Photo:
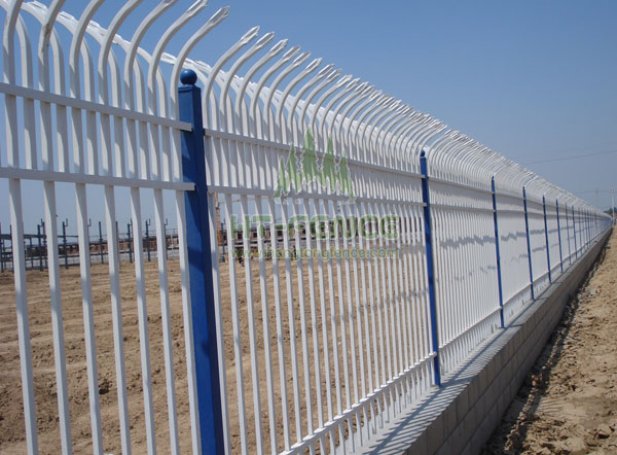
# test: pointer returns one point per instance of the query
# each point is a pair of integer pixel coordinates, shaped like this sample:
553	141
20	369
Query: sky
533	80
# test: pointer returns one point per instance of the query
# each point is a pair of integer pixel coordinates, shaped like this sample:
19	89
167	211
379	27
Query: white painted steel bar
236	329
87	179
15	209
252	335
47	153
82	227
265	311
112	239
291	319
279	327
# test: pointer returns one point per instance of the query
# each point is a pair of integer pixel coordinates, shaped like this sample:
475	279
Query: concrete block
469	423
435	434
485	429
446	449
462	404
450	420
419	446
458	440
477	413
484	379
502	381
467	450
475	391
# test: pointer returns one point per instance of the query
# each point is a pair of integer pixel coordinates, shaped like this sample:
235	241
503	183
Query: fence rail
338	252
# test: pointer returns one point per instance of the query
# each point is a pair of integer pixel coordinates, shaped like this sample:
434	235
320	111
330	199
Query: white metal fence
360	250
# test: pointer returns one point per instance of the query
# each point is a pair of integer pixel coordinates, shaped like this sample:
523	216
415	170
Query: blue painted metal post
588	227
581	230
499	282
565	209
533	292
548	246
586	219
200	268
559	236
430	266
581	214
574	229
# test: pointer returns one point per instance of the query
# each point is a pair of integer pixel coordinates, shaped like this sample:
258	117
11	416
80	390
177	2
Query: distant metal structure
375	279
68	248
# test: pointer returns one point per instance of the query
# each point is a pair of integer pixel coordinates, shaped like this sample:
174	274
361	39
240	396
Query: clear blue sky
534	80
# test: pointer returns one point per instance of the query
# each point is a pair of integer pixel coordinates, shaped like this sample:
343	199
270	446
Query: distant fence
339	252
35	247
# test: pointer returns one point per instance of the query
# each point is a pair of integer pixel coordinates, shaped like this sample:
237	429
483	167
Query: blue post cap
188	77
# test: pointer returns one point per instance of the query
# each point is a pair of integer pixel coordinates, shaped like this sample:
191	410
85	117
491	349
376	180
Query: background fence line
337	252
35	246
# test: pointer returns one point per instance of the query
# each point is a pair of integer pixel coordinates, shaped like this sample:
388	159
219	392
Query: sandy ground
11	407
11	411
568	404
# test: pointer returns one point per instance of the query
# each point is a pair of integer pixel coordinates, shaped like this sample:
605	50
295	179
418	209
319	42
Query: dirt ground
11	406
568	404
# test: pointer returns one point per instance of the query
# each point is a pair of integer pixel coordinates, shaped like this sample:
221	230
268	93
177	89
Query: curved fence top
260	87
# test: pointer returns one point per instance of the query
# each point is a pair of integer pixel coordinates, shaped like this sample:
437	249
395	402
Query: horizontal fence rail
306	256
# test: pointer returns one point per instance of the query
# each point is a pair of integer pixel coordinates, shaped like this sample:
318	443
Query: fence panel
87	139
299	267
513	241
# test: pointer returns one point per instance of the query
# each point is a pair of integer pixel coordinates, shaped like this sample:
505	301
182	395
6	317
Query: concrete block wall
459	417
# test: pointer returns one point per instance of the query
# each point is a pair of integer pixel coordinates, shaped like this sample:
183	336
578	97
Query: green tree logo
303	169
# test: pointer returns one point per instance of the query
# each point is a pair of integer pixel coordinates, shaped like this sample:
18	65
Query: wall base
459	417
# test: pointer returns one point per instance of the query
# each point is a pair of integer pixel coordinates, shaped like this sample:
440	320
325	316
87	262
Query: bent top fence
339	252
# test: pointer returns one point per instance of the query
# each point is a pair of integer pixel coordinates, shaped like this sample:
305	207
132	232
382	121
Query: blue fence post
430	266
499	283
533	292
200	268
548	246
574	229
589	227
559	236
586	217
581	230
584	230
565	209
